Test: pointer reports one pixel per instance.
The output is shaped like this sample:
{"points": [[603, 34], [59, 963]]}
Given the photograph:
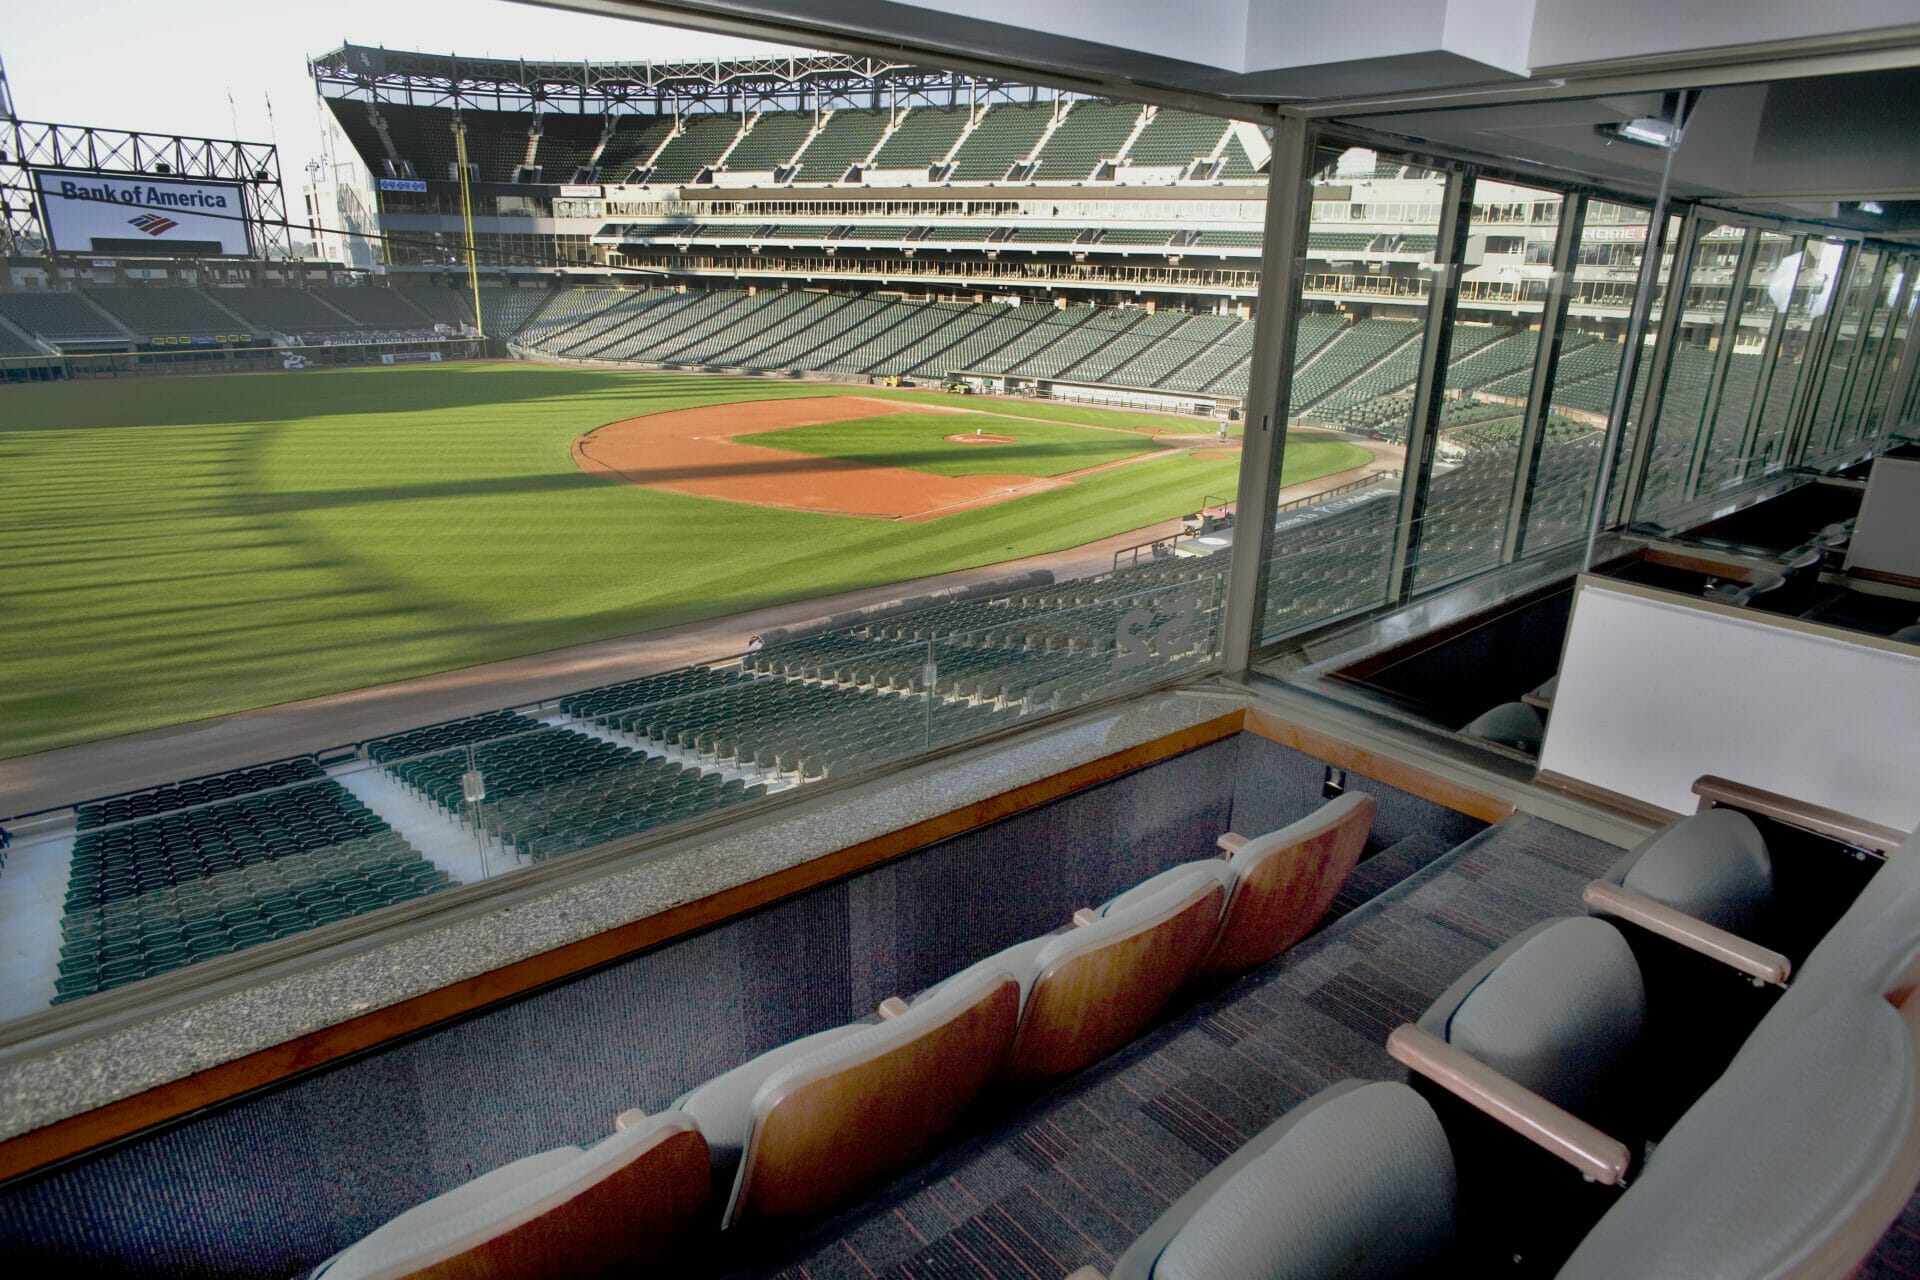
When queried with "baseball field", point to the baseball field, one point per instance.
{"points": [[175, 549]]}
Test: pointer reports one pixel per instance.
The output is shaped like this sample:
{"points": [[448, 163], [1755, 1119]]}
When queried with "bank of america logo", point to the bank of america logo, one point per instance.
{"points": [[153, 224]]}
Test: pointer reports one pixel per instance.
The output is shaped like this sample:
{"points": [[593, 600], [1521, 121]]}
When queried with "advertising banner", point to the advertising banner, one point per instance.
{"points": [[124, 213]]}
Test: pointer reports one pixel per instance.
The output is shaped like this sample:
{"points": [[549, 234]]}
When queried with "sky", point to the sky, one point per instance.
{"points": [[170, 68]]}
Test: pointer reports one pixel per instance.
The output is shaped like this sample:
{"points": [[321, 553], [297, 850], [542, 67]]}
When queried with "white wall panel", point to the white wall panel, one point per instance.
{"points": [[1655, 692]]}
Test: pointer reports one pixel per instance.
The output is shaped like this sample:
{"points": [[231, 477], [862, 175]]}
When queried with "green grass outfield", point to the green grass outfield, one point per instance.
{"points": [[174, 549]]}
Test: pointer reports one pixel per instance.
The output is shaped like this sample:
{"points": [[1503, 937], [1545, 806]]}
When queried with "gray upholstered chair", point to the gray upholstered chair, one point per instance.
{"points": [[623, 1206], [811, 1125], [1356, 1182], [1088, 991], [1511, 724], [1713, 866], [1278, 885], [1561, 1008], [1793, 1164]]}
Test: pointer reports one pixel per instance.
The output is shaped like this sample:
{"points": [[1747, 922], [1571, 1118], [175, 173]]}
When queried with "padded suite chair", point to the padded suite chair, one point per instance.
{"points": [[1090, 990], [1792, 1165], [1358, 1182], [812, 1124], [1278, 885], [1759, 866], [621, 1207], [1511, 724]]}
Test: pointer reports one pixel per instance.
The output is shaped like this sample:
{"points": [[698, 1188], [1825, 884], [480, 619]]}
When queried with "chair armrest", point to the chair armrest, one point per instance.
{"points": [[1231, 842], [1537, 702], [1559, 1132], [628, 1118], [891, 1008], [1730, 949], [1084, 917], [1810, 817]]}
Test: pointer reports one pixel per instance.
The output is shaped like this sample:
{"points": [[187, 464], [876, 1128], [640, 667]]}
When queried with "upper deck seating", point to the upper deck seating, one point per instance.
{"points": [[695, 148], [922, 138], [1177, 138], [1278, 885], [846, 139], [809, 1125], [623, 1206], [1087, 991], [775, 136]]}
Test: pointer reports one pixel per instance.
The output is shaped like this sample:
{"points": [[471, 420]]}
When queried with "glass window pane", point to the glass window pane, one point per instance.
{"points": [[1504, 280], [1902, 295], [1858, 423], [1848, 343], [1363, 306], [1690, 366], [1637, 402], [1730, 449], [1806, 280], [1606, 274]]}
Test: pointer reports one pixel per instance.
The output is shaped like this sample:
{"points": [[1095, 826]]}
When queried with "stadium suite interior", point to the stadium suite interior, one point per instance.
{"points": [[901, 944]]}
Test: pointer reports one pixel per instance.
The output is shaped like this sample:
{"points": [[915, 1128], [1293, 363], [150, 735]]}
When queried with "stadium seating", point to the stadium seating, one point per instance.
{"points": [[1092, 132], [1177, 138], [846, 139], [771, 142], [377, 308], [178, 874], [923, 136], [295, 311], [695, 148], [58, 317], [567, 141], [635, 141], [170, 311], [624, 1206]]}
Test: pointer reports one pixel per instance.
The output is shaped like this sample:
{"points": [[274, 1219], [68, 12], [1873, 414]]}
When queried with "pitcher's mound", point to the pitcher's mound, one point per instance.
{"points": [[987, 438]]}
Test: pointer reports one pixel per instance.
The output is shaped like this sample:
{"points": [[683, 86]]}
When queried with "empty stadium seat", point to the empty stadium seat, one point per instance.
{"points": [[1757, 865], [1357, 1181], [1088, 991], [1278, 885], [1511, 724], [1561, 1008], [623, 1206], [808, 1126]]}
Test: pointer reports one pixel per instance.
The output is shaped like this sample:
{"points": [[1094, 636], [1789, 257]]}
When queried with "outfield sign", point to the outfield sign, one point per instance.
{"points": [[123, 214], [403, 184]]}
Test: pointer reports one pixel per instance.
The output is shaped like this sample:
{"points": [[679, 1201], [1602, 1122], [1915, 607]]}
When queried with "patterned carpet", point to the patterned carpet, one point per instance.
{"points": [[1073, 1177]]}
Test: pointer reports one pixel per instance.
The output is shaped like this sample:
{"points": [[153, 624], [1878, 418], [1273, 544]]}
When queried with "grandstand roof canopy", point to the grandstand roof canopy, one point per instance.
{"points": [[509, 84]]}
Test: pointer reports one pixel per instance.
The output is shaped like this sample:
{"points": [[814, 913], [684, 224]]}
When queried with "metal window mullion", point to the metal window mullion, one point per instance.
{"points": [[1269, 387], [1820, 352], [1674, 310], [1546, 367], [1884, 357], [1763, 385], [1903, 378], [1722, 361], [1456, 215], [1860, 333]]}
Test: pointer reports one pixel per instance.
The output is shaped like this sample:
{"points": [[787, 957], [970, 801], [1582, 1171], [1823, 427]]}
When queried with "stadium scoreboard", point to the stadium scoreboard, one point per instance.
{"points": [[141, 215]]}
